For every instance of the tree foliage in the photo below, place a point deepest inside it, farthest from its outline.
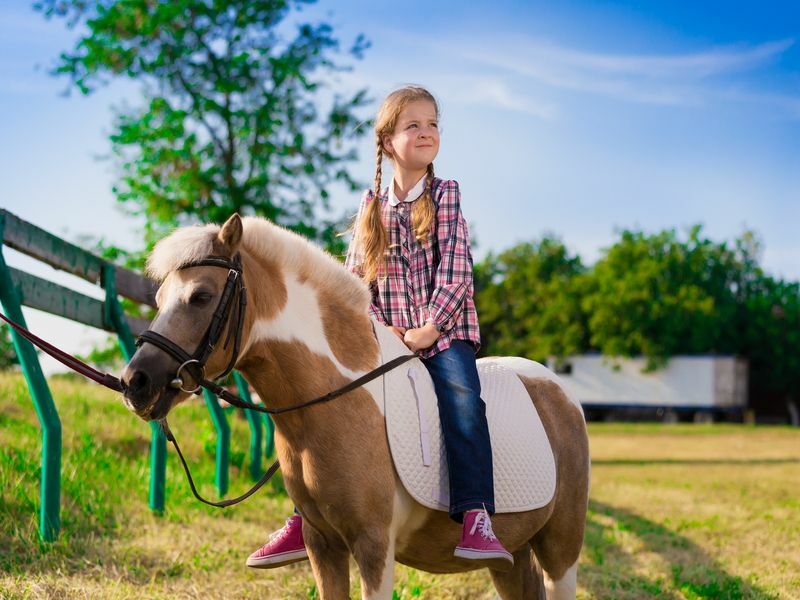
(529, 300)
(659, 295)
(653, 295)
(8, 357)
(230, 119)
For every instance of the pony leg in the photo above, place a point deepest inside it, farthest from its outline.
(330, 562)
(557, 547)
(564, 588)
(520, 583)
(374, 555)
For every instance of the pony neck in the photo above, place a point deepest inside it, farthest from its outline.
(304, 339)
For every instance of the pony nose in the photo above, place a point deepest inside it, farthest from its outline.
(139, 382)
(137, 385)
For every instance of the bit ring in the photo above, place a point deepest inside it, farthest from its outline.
(179, 380)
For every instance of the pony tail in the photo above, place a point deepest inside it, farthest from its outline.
(371, 230)
(424, 211)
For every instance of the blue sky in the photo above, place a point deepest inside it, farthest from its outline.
(577, 118)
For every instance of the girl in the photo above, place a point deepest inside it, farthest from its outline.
(411, 246)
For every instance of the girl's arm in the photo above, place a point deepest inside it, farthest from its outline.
(355, 259)
(454, 275)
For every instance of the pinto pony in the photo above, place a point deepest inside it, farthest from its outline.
(306, 332)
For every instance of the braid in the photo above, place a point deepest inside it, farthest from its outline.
(378, 167)
(371, 230)
(424, 211)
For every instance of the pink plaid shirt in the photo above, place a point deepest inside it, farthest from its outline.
(424, 282)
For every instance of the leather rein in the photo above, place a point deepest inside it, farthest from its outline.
(230, 310)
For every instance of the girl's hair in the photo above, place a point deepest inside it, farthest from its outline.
(370, 231)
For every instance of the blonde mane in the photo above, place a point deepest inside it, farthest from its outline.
(262, 238)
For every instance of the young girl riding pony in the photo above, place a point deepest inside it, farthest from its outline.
(411, 246)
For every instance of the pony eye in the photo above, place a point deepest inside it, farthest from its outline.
(200, 298)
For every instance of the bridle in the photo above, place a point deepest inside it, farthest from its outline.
(230, 309)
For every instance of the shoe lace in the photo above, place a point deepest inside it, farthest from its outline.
(280, 533)
(482, 520)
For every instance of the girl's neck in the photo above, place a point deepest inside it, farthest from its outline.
(405, 179)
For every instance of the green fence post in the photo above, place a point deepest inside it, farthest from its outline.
(269, 447)
(223, 440)
(115, 317)
(254, 420)
(50, 485)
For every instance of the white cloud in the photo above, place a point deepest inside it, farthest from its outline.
(669, 79)
(481, 90)
(495, 93)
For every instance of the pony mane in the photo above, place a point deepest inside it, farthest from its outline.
(179, 248)
(262, 238)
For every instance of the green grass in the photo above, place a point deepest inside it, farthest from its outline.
(678, 511)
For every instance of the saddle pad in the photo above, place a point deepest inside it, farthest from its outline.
(524, 468)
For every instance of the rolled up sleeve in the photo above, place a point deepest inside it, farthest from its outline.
(453, 278)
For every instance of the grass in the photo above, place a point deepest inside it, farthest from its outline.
(678, 511)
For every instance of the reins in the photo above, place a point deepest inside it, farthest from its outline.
(238, 402)
(77, 365)
(234, 299)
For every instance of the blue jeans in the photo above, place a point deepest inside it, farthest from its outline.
(464, 428)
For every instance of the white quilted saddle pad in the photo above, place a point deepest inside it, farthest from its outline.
(524, 468)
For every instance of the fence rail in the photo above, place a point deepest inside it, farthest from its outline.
(18, 288)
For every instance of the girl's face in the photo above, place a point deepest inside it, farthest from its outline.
(415, 140)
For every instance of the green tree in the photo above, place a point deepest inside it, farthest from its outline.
(659, 295)
(230, 119)
(8, 358)
(770, 338)
(528, 298)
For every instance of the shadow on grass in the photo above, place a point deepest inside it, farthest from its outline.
(695, 461)
(692, 573)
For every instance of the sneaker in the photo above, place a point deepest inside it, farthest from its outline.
(478, 542)
(284, 547)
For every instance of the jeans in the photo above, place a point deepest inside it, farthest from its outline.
(464, 428)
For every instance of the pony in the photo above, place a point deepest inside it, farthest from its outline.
(306, 332)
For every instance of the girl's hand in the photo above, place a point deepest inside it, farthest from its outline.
(421, 338)
(398, 331)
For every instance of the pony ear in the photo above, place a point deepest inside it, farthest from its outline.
(230, 236)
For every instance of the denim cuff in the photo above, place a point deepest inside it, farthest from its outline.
(457, 511)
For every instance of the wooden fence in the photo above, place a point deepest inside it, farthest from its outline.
(18, 288)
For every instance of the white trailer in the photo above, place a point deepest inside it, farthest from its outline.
(692, 387)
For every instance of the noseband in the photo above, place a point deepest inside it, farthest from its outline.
(230, 309)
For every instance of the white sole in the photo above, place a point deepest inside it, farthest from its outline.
(277, 560)
(499, 561)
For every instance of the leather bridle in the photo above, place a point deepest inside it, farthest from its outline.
(230, 309)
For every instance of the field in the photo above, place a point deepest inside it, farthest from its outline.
(677, 511)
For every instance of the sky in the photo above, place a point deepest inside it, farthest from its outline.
(572, 118)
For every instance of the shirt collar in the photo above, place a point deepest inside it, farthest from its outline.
(413, 194)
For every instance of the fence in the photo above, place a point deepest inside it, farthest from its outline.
(18, 288)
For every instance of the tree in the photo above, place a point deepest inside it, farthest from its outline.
(8, 357)
(659, 295)
(528, 298)
(770, 340)
(230, 119)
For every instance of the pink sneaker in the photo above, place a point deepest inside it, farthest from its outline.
(478, 542)
(284, 547)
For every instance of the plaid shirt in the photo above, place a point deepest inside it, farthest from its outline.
(424, 282)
